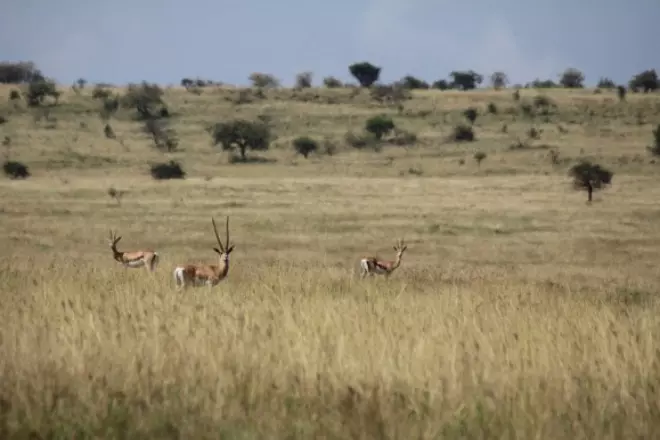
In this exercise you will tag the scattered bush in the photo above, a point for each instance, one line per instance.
(492, 108)
(572, 79)
(465, 80)
(590, 177)
(360, 141)
(471, 114)
(647, 81)
(304, 80)
(168, 170)
(164, 137)
(621, 93)
(463, 133)
(499, 80)
(19, 72)
(379, 126)
(15, 170)
(543, 84)
(331, 82)
(441, 84)
(39, 90)
(365, 73)
(14, 95)
(145, 98)
(264, 81)
(116, 194)
(479, 156)
(305, 145)
(242, 134)
(100, 92)
(655, 147)
(605, 83)
(412, 83)
(109, 132)
(403, 138)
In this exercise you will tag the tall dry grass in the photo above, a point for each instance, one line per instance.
(518, 311)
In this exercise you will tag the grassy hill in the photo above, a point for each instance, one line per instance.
(518, 308)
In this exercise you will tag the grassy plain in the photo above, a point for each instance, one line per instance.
(518, 311)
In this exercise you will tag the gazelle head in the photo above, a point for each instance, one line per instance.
(400, 248)
(224, 250)
(112, 241)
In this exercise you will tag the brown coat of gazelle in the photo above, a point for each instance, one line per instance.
(206, 274)
(375, 266)
(146, 258)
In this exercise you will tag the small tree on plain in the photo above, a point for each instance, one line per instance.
(167, 170)
(331, 82)
(242, 134)
(466, 80)
(499, 80)
(590, 177)
(39, 90)
(379, 126)
(647, 81)
(305, 145)
(572, 78)
(365, 73)
(621, 93)
(471, 114)
(304, 80)
(655, 147)
(478, 157)
(264, 80)
(412, 83)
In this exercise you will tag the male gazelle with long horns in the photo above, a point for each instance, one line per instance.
(207, 274)
(375, 266)
(146, 258)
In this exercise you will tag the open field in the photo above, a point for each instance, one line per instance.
(519, 311)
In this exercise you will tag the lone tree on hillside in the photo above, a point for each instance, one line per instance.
(19, 72)
(590, 177)
(499, 80)
(242, 134)
(465, 80)
(572, 79)
(647, 81)
(365, 73)
(305, 145)
(379, 126)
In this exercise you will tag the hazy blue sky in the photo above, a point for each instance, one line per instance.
(164, 40)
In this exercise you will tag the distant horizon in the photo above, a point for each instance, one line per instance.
(225, 40)
(317, 80)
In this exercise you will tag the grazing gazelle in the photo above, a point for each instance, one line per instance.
(147, 258)
(206, 274)
(376, 266)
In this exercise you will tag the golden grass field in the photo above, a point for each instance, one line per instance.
(519, 311)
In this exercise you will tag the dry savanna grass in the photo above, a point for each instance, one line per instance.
(519, 311)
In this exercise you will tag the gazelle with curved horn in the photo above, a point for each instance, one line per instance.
(375, 266)
(207, 274)
(133, 259)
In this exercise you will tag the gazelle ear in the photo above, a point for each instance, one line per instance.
(395, 248)
(231, 248)
(117, 239)
(217, 250)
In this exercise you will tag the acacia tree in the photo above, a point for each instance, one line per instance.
(365, 73)
(499, 80)
(588, 176)
(242, 134)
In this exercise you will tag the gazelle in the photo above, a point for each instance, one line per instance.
(375, 266)
(147, 258)
(207, 274)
